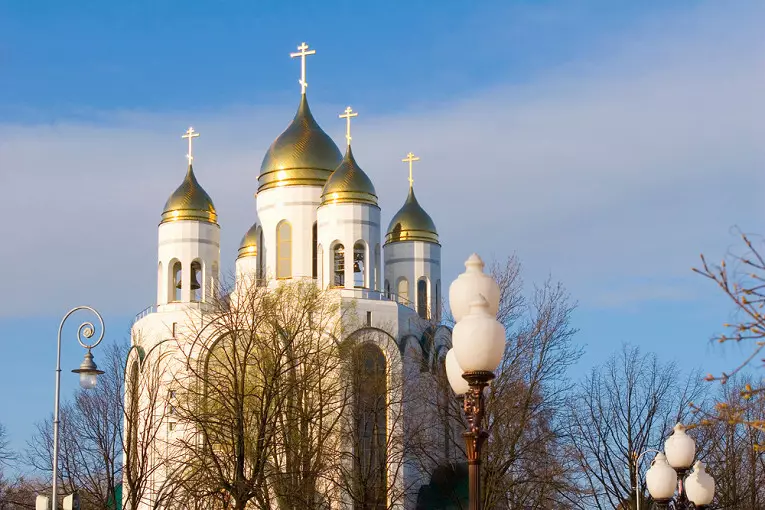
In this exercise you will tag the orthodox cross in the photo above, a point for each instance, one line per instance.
(302, 54)
(347, 116)
(410, 158)
(190, 134)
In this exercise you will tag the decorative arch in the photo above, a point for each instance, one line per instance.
(283, 250)
(360, 266)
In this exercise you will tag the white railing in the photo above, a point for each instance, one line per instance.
(143, 313)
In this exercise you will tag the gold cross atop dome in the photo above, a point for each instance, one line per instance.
(410, 158)
(347, 116)
(303, 53)
(190, 134)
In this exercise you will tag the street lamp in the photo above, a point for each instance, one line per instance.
(88, 372)
(668, 471)
(478, 341)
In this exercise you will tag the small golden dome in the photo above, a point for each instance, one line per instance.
(189, 202)
(302, 155)
(349, 183)
(249, 245)
(411, 223)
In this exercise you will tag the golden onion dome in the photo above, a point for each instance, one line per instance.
(249, 245)
(303, 155)
(189, 202)
(411, 223)
(349, 183)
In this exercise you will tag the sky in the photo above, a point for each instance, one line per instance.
(606, 144)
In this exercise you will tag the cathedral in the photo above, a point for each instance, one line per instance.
(318, 220)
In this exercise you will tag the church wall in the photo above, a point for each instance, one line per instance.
(297, 205)
(347, 223)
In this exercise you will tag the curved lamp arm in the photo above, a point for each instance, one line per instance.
(637, 475)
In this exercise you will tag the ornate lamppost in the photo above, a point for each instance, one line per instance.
(478, 341)
(88, 373)
(668, 471)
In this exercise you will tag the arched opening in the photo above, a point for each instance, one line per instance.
(371, 419)
(212, 292)
(260, 273)
(402, 291)
(387, 289)
(177, 278)
(359, 264)
(422, 298)
(315, 251)
(196, 281)
(338, 266)
(284, 250)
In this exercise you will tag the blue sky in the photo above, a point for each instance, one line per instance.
(606, 143)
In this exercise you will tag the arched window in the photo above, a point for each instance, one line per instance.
(338, 266)
(387, 289)
(437, 311)
(422, 298)
(315, 251)
(196, 281)
(177, 279)
(359, 264)
(284, 250)
(376, 269)
(261, 270)
(371, 418)
(402, 291)
(320, 266)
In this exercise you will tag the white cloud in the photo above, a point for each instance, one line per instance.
(631, 164)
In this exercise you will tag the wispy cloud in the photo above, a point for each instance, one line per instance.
(633, 163)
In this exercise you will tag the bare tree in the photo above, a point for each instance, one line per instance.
(521, 468)
(259, 400)
(742, 279)
(623, 408)
(730, 448)
(89, 439)
(7, 455)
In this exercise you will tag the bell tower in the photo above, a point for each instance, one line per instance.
(189, 242)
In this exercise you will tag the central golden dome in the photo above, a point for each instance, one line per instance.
(189, 202)
(349, 183)
(303, 155)
(411, 223)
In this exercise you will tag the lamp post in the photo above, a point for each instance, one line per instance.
(668, 471)
(88, 372)
(478, 341)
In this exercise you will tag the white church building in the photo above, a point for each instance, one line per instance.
(318, 219)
